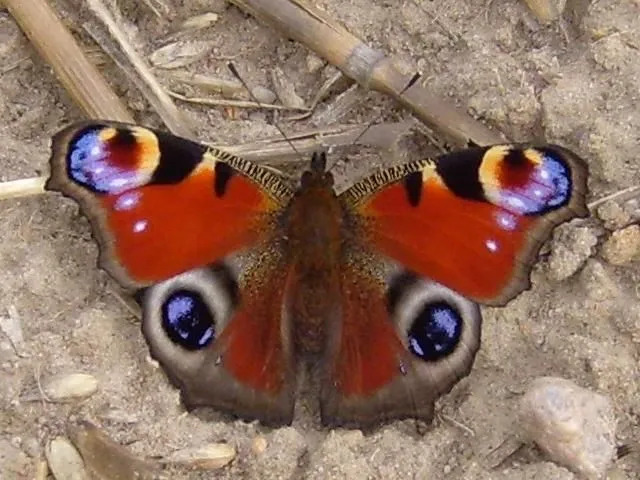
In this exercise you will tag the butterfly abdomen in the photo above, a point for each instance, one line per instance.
(314, 234)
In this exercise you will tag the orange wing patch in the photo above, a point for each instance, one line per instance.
(472, 220)
(161, 205)
(369, 350)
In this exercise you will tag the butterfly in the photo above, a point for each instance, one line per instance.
(239, 273)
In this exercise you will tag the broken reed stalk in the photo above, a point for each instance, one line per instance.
(299, 20)
(56, 45)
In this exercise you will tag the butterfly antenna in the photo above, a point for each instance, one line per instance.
(236, 74)
(410, 83)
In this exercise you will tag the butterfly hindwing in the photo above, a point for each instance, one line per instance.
(220, 334)
(471, 220)
(159, 204)
(401, 342)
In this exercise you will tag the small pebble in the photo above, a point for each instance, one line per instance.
(571, 248)
(546, 10)
(613, 215)
(263, 95)
(314, 63)
(73, 386)
(623, 246)
(64, 460)
(573, 425)
(259, 445)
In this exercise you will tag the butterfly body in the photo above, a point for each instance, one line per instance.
(239, 273)
(313, 241)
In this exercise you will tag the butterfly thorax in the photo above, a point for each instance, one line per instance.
(314, 239)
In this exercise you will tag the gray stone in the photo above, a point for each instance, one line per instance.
(574, 426)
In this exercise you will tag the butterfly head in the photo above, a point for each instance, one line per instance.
(317, 175)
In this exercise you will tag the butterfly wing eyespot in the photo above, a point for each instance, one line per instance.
(221, 338)
(436, 324)
(473, 220)
(151, 198)
(399, 346)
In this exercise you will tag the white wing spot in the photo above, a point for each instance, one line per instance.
(140, 226)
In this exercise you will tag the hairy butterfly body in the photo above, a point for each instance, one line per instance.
(238, 273)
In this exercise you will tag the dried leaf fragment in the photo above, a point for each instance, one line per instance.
(179, 54)
(227, 88)
(198, 22)
(62, 388)
(207, 457)
(64, 460)
(108, 460)
(285, 89)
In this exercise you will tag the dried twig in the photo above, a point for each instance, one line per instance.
(22, 188)
(223, 102)
(322, 92)
(301, 21)
(56, 45)
(137, 70)
(227, 88)
(626, 193)
(458, 424)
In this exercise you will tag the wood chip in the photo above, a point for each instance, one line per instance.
(179, 54)
(64, 460)
(107, 460)
(206, 457)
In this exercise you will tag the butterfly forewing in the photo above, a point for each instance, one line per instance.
(161, 205)
(472, 220)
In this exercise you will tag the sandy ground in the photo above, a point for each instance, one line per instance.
(573, 82)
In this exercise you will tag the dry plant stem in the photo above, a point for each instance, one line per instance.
(141, 76)
(277, 150)
(56, 45)
(22, 188)
(221, 102)
(299, 20)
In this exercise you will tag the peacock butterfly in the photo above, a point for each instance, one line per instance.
(238, 273)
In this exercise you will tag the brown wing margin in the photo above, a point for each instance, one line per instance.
(247, 368)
